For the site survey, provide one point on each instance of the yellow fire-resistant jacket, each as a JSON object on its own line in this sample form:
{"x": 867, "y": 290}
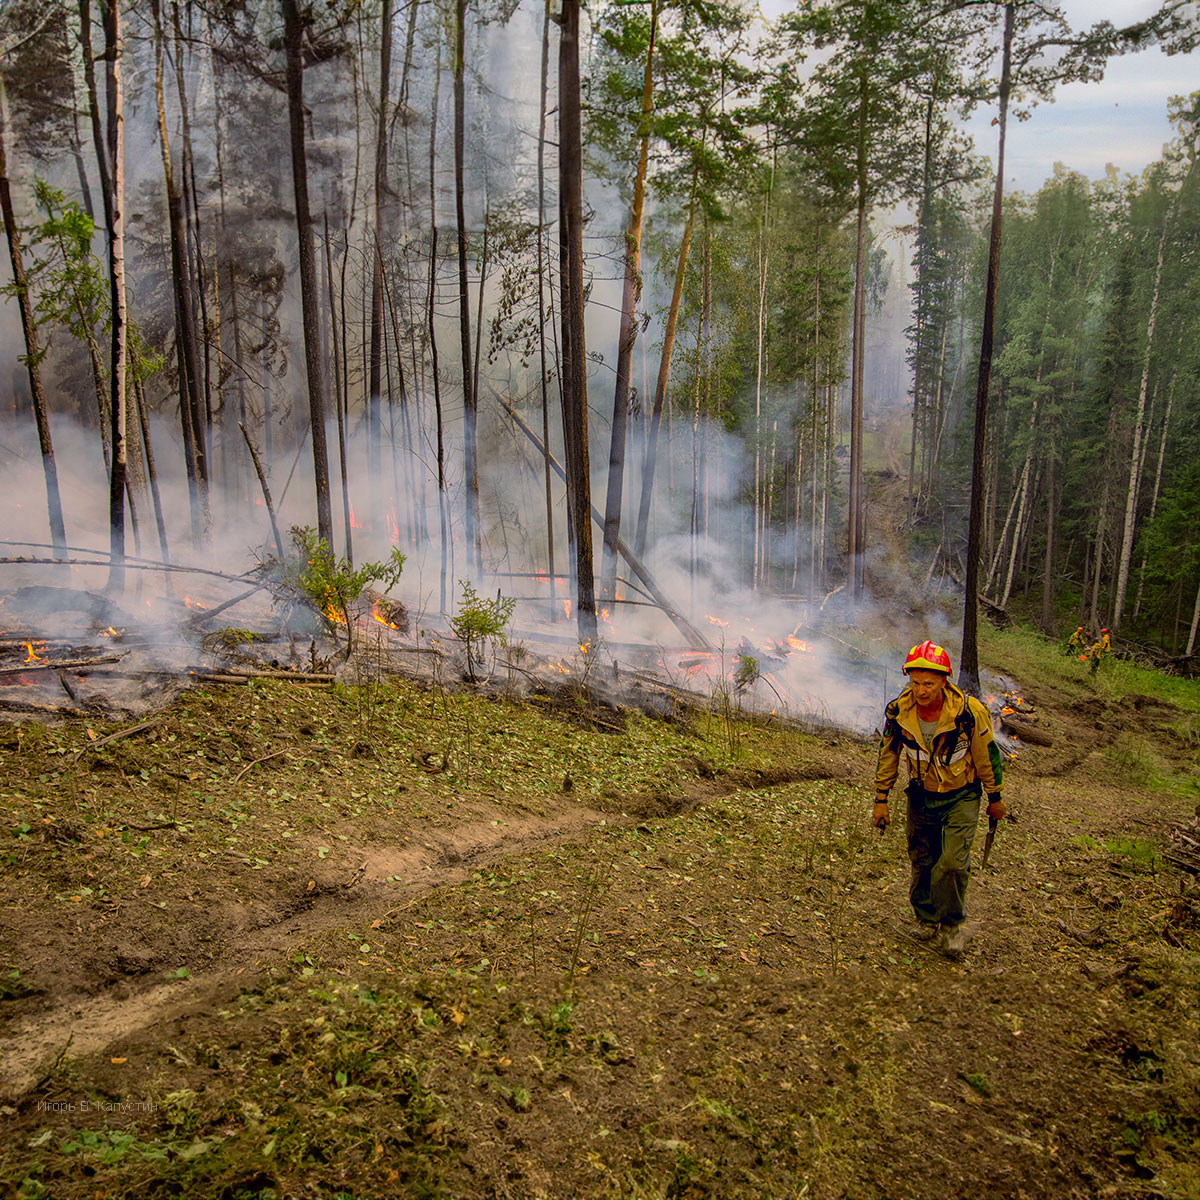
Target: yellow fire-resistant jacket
{"x": 964, "y": 750}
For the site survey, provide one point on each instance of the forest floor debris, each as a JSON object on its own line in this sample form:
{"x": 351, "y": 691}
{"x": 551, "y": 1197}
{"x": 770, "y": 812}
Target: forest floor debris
{"x": 265, "y": 948}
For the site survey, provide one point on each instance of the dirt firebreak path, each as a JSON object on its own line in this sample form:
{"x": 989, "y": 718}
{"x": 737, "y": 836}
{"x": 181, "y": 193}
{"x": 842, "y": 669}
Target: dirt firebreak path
{"x": 243, "y": 941}
{"x": 106, "y": 991}
{"x": 692, "y": 976}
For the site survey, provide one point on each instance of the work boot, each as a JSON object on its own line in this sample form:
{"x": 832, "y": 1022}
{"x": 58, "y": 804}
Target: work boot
{"x": 925, "y": 931}
{"x": 954, "y": 941}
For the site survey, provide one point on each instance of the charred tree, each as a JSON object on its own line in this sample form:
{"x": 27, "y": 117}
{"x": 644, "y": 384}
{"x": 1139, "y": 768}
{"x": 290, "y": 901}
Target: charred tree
{"x": 969, "y": 668}
{"x": 33, "y": 353}
{"x": 542, "y": 268}
{"x": 574, "y": 354}
{"x": 374, "y": 386}
{"x": 115, "y": 129}
{"x": 193, "y": 427}
{"x": 293, "y": 36}
{"x": 338, "y": 392}
{"x": 446, "y": 566}
{"x": 470, "y": 400}
{"x": 627, "y": 335}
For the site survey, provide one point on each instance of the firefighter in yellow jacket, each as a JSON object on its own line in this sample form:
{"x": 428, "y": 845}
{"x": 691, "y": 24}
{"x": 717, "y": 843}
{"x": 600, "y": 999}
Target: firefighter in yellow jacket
{"x": 945, "y": 737}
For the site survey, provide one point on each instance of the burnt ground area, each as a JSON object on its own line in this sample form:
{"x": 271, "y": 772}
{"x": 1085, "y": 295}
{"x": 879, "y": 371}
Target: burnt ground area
{"x": 320, "y": 942}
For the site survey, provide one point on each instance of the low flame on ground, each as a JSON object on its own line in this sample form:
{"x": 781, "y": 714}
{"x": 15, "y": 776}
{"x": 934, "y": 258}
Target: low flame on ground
{"x": 796, "y": 644}
{"x": 31, "y": 651}
{"x": 378, "y": 616}
{"x": 190, "y": 603}
{"x": 716, "y": 620}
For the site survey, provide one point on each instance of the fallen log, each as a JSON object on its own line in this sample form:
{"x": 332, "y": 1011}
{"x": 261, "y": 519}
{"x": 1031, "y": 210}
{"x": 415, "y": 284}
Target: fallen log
{"x": 1026, "y": 732}
{"x": 62, "y": 664}
{"x": 207, "y": 615}
{"x": 132, "y": 563}
{"x": 255, "y": 762}
{"x": 267, "y": 673}
{"x": 45, "y": 643}
{"x": 68, "y": 687}
{"x": 28, "y": 706}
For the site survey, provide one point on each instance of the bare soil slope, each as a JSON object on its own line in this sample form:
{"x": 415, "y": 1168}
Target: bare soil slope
{"x": 298, "y": 943}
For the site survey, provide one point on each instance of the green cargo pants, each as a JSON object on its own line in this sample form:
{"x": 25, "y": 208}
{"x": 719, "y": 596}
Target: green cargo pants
{"x": 941, "y": 829}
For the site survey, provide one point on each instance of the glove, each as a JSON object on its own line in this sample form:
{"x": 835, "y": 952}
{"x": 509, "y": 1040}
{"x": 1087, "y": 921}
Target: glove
{"x": 996, "y": 807}
{"x": 879, "y": 817}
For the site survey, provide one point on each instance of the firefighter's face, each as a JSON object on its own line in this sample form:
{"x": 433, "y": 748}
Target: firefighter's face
{"x": 927, "y": 686}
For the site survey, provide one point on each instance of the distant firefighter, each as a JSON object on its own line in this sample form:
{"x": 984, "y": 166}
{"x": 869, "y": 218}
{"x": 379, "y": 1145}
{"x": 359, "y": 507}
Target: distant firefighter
{"x": 1098, "y": 649}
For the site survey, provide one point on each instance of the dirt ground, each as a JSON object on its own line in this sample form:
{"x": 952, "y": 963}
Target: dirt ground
{"x": 282, "y": 944}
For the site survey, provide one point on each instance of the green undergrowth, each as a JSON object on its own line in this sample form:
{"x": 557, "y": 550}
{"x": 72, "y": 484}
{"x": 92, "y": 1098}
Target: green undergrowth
{"x": 1036, "y": 661}
{"x": 256, "y": 770}
{"x": 710, "y": 992}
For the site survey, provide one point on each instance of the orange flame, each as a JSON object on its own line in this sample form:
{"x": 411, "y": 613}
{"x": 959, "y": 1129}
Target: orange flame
{"x": 716, "y": 621}
{"x": 797, "y": 644}
{"x": 381, "y": 618}
{"x": 193, "y": 603}
{"x": 32, "y": 655}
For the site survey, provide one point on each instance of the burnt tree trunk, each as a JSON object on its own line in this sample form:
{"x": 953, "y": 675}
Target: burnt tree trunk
{"x": 627, "y": 334}
{"x": 293, "y": 37}
{"x": 374, "y": 391}
{"x": 574, "y": 354}
{"x": 115, "y": 121}
{"x": 542, "y": 267}
{"x": 185, "y": 324}
{"x": 54, "y": 509}
{"x": 470, "y": 401}
{"x": 969, "y": 668}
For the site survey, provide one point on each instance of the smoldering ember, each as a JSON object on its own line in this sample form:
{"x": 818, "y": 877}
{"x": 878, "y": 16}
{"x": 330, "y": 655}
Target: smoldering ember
{"x": 599, "y": 601}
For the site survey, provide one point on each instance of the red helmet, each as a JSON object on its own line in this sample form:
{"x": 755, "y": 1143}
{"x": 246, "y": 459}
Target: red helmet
{"x": 927, "y": 657}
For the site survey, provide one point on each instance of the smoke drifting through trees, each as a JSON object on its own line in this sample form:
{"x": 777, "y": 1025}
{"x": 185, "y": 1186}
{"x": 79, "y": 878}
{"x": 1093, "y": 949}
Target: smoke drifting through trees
{"x": 363, "y": 343}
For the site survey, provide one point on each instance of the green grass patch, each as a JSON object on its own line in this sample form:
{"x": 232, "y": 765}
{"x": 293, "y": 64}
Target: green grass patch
{"x": 1032, "y": 658}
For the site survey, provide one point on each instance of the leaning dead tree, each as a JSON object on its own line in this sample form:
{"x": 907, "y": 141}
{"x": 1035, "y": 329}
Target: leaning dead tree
{"x": 695, "y": 638}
